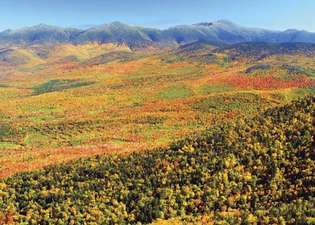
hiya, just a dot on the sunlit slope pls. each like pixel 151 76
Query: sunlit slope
pixel 253 170
pixel 123 102
pixel 132 99
pixel 18 56
pixel 29 57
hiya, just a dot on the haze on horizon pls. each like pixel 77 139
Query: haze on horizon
pixel 269 14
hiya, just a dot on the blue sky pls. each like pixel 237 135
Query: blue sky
pixel 271 14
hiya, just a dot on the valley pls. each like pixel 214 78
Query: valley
pixel 209 123
pixel 143 102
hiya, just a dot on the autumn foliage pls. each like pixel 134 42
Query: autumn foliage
pixel 269 82
pixel 250 171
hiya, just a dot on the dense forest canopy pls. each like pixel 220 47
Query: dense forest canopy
pixel 249 171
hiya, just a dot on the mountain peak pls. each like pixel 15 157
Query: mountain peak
pixel 114 24
pixel 117 23
pixel 221 31
pixel 45 27
pixel 42 25
pixel 219 23
pixel 206 24
pixel 37 28
pixel 291 30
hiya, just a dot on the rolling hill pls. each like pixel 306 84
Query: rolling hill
pixel 255 171
pixel 209 123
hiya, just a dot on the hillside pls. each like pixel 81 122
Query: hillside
pixel 157 112
pixel 61 102
pixel 260 50
pixel 244 172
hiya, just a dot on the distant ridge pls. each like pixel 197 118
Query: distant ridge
pixel 221 31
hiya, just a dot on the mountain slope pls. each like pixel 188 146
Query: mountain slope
pixel 253 171
pixel 260 50
pixel 220 31
pixel 39 34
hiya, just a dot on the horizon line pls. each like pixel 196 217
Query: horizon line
pixel 89 26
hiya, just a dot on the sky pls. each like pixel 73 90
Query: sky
pixel 270 14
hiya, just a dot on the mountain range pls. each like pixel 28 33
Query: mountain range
pixel 222 31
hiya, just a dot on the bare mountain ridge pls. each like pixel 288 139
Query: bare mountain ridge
pixel 220 32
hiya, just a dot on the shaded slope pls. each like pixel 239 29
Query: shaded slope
pixel 39 34
pixel 260 50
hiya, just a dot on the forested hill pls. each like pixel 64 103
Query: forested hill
pixel 252 170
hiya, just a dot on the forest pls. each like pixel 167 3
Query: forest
pixel 246 171
pixel 157 112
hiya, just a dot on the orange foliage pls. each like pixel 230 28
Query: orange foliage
pixel 268 82
pixel 7 219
